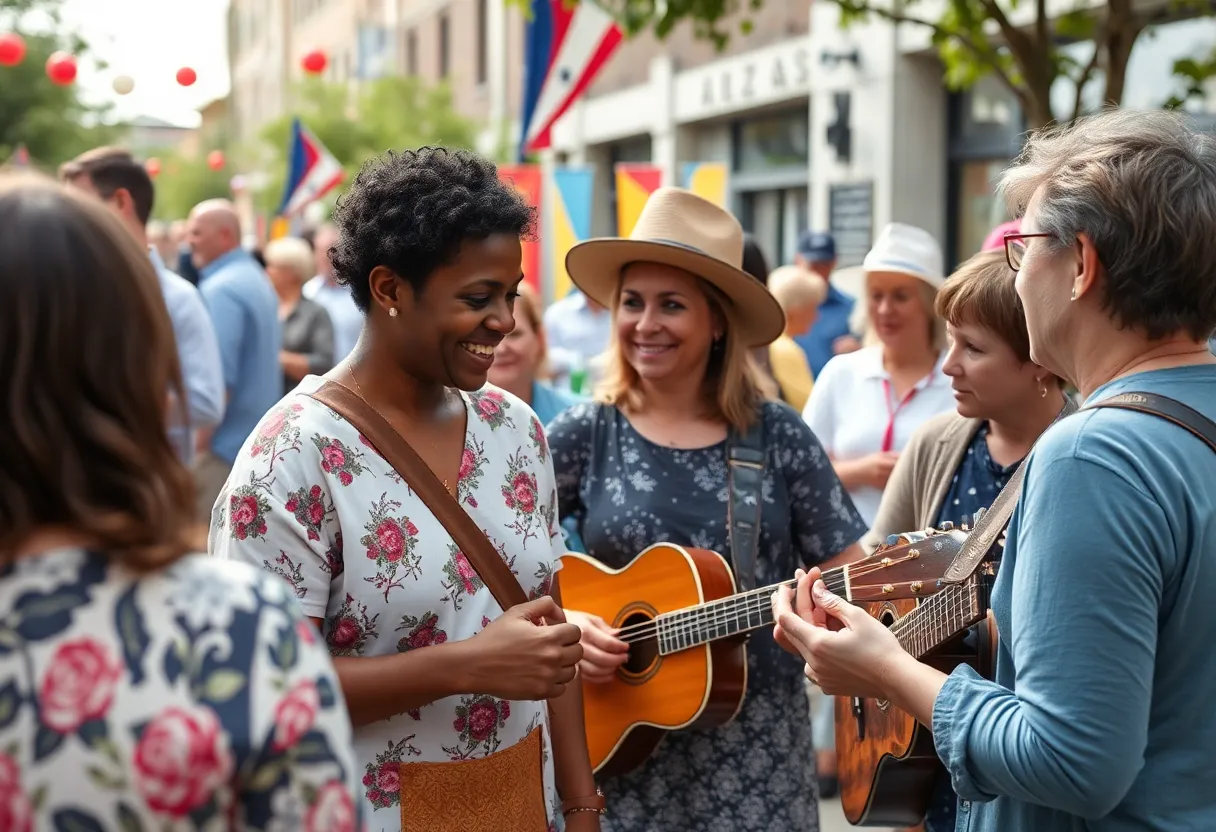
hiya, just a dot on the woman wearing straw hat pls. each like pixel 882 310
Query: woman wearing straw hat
pixel 648 461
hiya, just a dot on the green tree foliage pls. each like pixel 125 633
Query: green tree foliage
pixel 392 112
pixel 51 121
pixel 185 182
pixel 1020 43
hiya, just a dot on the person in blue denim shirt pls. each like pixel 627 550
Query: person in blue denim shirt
pixel 245 312
pixel 1096 719
pixel 830 335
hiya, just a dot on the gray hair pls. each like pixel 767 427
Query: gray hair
pixel 1142 186
pixel 291 253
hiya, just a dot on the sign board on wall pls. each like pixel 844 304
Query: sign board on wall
pixel 851 220
pixel 764 76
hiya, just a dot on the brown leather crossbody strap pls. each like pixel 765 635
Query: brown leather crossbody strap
pixel 1172 410
pixel 482 555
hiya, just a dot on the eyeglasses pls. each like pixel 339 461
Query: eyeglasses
pixel 1015 247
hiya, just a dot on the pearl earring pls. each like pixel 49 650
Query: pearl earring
pixel 1074 292
pixel 1042 388
pixel 392 310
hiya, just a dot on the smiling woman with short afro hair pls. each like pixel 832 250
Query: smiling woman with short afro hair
pixel 412 210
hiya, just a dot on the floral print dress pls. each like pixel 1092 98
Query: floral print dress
pixel 194 697
pixel 311 501
pixel 625 493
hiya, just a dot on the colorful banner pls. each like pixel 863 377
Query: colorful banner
pixel 635 182
pixel 527 181
pixel 707 180
pixel 572 194
pixel 565 46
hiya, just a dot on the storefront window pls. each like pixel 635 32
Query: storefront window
pixel 979 209
pixel 773 142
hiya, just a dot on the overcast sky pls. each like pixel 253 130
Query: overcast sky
pixel 150 40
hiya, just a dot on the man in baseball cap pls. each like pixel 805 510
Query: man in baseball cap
pixel 830 334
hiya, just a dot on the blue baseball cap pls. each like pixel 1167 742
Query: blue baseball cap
pixel 817 246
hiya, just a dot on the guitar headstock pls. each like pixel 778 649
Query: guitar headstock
pixel 907 565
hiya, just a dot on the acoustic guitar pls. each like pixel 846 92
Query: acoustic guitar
pixel 886 762
pixel 686 625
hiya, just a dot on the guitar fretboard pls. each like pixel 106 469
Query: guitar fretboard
pixel 940 617
pixel 728 617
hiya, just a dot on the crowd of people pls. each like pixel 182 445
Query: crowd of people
pixel 391 444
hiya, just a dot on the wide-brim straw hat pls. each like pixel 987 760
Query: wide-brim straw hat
pixel 678 228
pixel 901 249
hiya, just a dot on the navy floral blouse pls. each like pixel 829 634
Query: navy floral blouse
pixel 624 493
pixel 197 697
pixel 977 481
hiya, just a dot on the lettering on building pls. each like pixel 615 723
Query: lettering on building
pixel 741 84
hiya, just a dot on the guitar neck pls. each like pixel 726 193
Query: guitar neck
pixel 727 617
pixel 942 616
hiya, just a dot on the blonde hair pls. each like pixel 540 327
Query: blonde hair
pixel 527 305
pixel 796 287
pixel 732 384
pixel 859 321
pixel 291 253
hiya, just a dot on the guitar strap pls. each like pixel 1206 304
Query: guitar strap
pixel 745 458
pixel 1164 407
pixel 481 554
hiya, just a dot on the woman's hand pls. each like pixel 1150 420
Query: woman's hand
pixel 603 652
pixel 847 652
pixel 527 654
pixel 872 470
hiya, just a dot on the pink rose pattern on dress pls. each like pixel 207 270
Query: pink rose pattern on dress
pixel 423 632
pixel 477 721
pixel 247 510
pixel 381 778
pixel 181 758
pixel 180 698
pixel 472 466
pixel 277 431
pixel 349 629
pixel 520 493
pixel 392 543
pixel 338 460
pixel 78 687
pixel 308 505
pixel 399 565
pixel 16 810
pixel 333 810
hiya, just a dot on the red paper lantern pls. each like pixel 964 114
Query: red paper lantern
pixel 12 49
pixel 186 76
pixel 152 166
pixel 61 68
pixel 314 62
pixel 215 160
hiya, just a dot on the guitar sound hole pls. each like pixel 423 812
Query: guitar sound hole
pixel 643 653
pixel 887 618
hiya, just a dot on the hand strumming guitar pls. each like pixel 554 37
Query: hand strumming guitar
pixel 603 652
pixel 529 653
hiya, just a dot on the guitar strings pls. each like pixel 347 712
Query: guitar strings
pixel 720 609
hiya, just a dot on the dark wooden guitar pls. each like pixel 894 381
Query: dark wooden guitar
pixel 886 760
pixel 679 610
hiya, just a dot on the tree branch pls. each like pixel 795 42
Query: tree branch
pixel 1086 74
pixel 984 53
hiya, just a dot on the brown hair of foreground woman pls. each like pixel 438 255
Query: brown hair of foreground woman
pixel 87 356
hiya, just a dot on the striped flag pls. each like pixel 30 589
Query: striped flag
pixel 313 171
pixel 565 47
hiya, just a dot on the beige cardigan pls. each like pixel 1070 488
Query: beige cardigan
pixel 921 479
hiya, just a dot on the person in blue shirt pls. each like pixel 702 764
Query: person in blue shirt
pixel 830 334
pixel 245 311
pixel 123 184
pixel 1097 719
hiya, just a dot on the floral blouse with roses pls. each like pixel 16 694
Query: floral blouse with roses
pixel 194 697
pixel 310 500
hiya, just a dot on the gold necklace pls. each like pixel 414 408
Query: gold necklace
pixel 359 391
